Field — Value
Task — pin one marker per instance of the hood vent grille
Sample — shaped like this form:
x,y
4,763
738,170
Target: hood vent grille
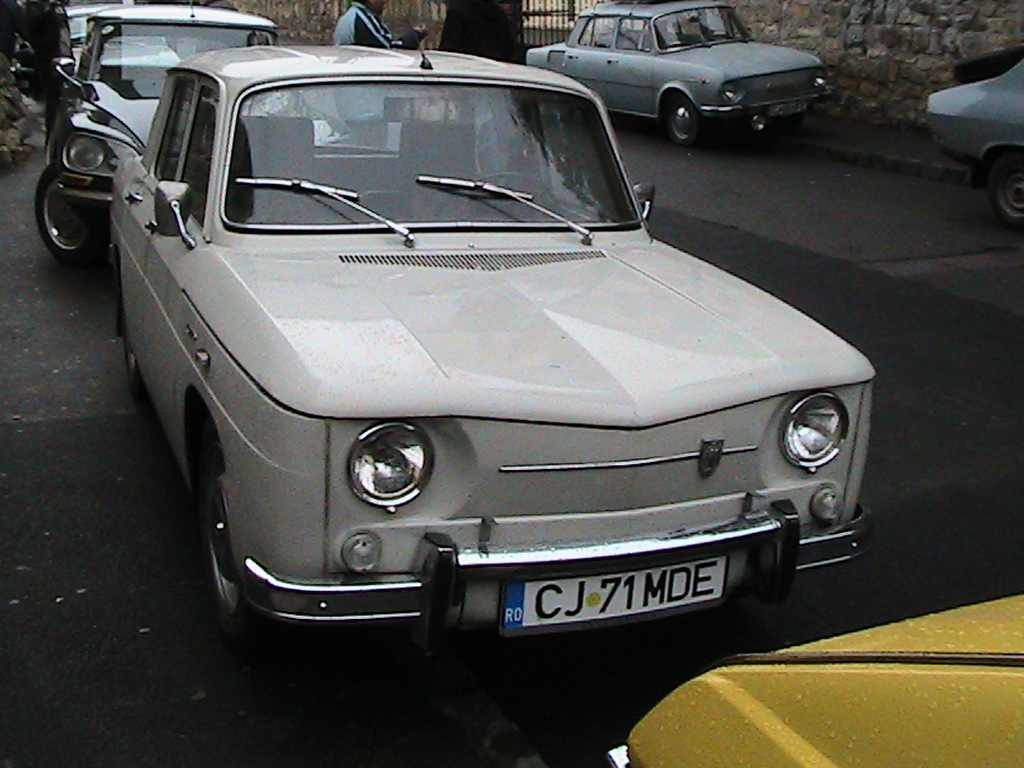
x,y
484,262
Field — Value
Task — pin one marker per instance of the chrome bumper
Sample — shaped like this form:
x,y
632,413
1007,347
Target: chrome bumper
x,y
771,537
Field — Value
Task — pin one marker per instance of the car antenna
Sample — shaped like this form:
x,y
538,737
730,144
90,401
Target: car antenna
x,y
424,61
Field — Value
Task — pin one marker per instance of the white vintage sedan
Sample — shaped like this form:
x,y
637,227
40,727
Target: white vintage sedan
x,y
420,360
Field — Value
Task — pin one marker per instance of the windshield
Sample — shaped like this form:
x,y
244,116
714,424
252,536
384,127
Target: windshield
x,y
134,58
701,26
376,140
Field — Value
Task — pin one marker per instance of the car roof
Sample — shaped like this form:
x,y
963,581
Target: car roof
x,y
242,67
648,9
183,14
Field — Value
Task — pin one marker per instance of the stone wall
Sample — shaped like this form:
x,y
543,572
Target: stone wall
x,y
13,117
885,56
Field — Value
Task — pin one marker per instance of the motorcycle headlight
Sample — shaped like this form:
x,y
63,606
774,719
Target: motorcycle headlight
x,y
390,464
813,430
87,154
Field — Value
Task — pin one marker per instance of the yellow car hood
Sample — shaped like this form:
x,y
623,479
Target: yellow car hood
x,y
945,689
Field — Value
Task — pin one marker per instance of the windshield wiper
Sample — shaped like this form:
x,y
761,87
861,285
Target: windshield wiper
x,y
470,185
347,196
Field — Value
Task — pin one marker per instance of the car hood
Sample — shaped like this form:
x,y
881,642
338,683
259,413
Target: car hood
x,y
735,60
578,335
131,116
945,689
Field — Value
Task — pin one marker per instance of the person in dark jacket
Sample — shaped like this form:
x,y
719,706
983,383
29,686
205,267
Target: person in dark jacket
x,y
362,24
12,26
50,37
479,27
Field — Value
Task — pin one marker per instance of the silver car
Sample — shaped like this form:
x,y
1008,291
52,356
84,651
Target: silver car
x,y
686,63
420,359
982,124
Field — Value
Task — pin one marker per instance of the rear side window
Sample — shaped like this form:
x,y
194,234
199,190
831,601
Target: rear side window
x,y
633,35
599,32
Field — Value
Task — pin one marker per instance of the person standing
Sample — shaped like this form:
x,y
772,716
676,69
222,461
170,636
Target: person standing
x,y
478,27
362,24
50,37
12,25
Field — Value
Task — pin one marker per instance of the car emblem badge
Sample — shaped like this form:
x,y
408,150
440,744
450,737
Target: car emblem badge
x,y
710,456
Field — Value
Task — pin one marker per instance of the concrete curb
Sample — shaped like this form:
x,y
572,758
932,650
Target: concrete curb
x,y
867,159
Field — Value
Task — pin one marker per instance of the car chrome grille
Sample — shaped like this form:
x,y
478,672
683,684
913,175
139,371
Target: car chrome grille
x,y
484,262
780,86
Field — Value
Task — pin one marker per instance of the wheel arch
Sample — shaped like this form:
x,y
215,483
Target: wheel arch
x,y
667,92
991,156
196,414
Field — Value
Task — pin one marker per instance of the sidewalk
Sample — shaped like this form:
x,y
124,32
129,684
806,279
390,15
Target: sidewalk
x,y
900,150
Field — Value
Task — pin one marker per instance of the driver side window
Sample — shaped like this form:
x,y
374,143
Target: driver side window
x,y
172,146
186,151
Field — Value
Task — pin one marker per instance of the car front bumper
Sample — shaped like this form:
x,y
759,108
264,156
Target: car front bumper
x,y
82,190
771,538
783,108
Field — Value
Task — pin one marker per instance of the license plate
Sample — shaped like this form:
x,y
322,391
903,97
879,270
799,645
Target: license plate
x,y
536,604
792,108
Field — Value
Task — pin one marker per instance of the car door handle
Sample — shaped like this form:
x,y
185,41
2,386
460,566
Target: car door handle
x,y
132,198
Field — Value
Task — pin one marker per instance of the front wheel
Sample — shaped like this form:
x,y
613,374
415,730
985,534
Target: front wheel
x,y
1006,189
75,239
683,123
237,620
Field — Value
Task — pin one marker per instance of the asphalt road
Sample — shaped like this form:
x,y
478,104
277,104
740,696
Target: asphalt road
x,y
109,657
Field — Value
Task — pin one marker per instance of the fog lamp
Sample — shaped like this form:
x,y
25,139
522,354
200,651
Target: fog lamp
x,y
361,551
758,122
825,505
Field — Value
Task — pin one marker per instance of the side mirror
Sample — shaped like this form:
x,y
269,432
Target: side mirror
x,y
173,206
65,67
645,196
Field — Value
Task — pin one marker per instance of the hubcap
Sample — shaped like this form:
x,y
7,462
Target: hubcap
x,y
65,227
1014,192
227,589
682,122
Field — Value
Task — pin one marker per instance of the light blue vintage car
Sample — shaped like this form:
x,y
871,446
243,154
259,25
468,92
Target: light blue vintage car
x,y
982,124
686,63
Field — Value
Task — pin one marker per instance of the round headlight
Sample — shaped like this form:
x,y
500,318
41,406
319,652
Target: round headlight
x,y
389,464
731,92
86,153
813,430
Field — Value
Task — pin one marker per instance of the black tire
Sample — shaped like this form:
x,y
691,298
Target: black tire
x,y
133,374
682,121
1006,189
237,620
75,238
